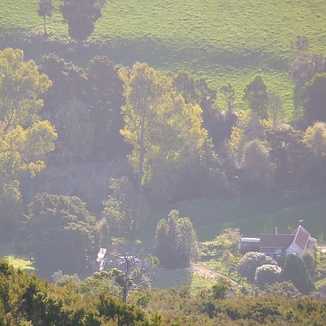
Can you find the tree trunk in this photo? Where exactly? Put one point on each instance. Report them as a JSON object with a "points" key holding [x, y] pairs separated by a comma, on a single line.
{"points": [[125, 292], [2, 232], [44, 29], [126, 281], [141, 156]]}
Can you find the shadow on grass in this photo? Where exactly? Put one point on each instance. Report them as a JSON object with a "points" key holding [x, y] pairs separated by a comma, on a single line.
{"points": [[164, 279], [172, 278]]}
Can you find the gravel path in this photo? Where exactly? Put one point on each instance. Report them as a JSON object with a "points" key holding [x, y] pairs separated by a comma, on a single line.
{"points": [[211, 274]]}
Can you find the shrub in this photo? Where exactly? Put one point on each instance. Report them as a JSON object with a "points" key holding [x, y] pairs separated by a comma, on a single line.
{"points": [[220, 289], [296, 271], [176, 241], [285, 289], [250, 261], [267, 274]]}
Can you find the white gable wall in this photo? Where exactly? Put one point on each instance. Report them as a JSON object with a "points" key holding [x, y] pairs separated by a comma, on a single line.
{"points": [[294, 249]]}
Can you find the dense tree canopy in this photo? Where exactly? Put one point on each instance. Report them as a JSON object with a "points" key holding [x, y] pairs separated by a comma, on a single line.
{"points": [[61, 234], [198, 92], [163, 130], [315, 138], [267, 274], [256, 165], [314, 98], [21, 86], [27, 300], [81, 16], [255, 94], [295, 270], [24, 138], [288, 155], [105, 92], [68, 83], [84, 105], [125, 209], [306, 66], [176, 241], [251, 261]]}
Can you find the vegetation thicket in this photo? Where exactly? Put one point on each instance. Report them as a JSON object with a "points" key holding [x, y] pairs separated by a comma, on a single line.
{"points": [[25, 299], [144, 108], [295, 270], [26, 139], [176, 241], [60, 233]]}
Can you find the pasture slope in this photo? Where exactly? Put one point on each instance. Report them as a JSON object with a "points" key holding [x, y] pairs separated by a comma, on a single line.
{"points": [[221, 41]]}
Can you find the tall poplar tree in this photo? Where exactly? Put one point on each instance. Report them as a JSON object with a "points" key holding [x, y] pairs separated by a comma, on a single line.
{"points": [[163, 130], [295, 270], [255, 94], [45, 8], [81, 16]]}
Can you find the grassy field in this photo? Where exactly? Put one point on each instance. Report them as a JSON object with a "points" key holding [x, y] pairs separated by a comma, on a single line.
{"points": [[6, 254], [196, 280], [221, 41], [254, 216]]}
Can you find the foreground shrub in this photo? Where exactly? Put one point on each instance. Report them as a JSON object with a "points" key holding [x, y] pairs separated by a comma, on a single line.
{"points": [[267, 274], [250, 261], [296, 271]]}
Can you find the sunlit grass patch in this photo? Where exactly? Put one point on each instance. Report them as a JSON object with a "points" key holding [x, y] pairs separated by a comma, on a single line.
{"points": [[19, 263], [7, 253], [181, 277]]}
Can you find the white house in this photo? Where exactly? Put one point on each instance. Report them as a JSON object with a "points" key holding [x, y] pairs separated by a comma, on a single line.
{"points": [[281, 244]]}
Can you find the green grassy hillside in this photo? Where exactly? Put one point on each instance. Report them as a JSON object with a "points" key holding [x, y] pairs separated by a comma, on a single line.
{"points": [[255, 216], [221, 41]]}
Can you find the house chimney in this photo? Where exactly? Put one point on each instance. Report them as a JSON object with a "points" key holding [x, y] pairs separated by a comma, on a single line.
{"points": [[276, 231]]}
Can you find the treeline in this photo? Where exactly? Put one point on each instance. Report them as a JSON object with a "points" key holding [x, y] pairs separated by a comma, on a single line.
{"points": [[105, 143], [177, 305], [27, 300]]}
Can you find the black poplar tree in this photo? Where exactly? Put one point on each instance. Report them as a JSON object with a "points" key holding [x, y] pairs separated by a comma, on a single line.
{"points": [[81, 16], [295, 271], [256, 96], [45, 8]]}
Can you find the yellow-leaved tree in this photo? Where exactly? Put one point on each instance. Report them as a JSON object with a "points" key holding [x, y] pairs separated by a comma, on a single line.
{"points": [[24, 138], [163, 130]]}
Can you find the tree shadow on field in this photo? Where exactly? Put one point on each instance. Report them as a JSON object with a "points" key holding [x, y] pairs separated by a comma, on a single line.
{"points": [[172, 278]]}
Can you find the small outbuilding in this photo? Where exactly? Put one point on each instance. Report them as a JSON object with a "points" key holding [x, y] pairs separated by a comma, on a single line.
{"points": [[249, 244]]}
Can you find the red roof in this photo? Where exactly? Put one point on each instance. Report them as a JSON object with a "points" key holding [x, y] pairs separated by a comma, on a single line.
{"points": [[301, 237], [276, 240]]}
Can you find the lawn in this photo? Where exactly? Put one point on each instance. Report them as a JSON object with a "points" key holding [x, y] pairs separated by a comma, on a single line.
{"points": [[221, 41]]}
